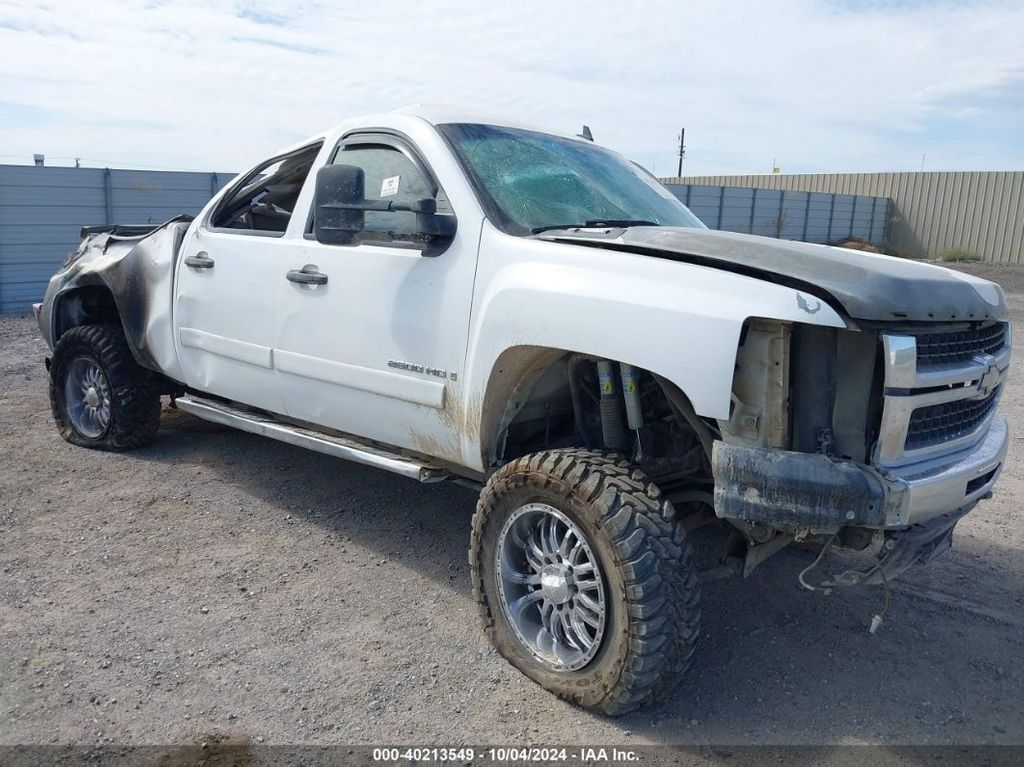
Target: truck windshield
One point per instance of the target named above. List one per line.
(529, 182)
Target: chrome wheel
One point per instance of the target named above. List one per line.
(87, 397)
(551, 586)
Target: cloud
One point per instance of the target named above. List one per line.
(817, 86)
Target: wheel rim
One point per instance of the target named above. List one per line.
(87, 396)
(551, 587)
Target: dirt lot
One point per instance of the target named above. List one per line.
(222, 583)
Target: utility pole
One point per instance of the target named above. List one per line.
(682, 150)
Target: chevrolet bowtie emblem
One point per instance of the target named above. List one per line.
(989, 381)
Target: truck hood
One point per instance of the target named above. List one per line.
(867, 286)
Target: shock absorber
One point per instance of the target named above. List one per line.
(613, 427)
(631, 396)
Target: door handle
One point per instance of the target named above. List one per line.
(199, 261)
(307, 275)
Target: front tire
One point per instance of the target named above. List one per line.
(584, 579)
(100, 397)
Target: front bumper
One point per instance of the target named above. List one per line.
(803, 492)
(941, 485)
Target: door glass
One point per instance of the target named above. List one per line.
(391, 176)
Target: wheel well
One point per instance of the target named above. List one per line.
(95, 305)
(88, 305)
(541, 399)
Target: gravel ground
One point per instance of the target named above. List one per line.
(221, 584)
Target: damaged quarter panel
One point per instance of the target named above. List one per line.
(681, 321)
(138, 271)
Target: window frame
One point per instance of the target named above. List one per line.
(247, 178)
(400, 142)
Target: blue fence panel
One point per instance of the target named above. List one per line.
(806, 216)
(705, 202)
(793, 212)
(42, 211)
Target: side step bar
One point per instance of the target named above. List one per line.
(339, 447)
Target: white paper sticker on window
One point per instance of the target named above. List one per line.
(389, 186)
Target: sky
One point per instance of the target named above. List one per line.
(809, 85)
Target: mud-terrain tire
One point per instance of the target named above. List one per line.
(651, 601)
(118, 405)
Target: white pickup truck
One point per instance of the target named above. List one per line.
(450, 297)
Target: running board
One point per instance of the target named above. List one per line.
(339, 447)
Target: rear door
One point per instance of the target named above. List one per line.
(378, 349)
(228, 272)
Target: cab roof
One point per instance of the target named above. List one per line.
(439, 114)
(433, 114)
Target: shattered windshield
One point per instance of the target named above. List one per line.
(530, 182)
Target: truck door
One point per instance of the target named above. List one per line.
(378, 348)
(226, 280)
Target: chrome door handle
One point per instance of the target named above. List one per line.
(307, 275)
(199, 261)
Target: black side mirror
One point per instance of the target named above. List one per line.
(337, 217)
(434, 230)
(340, 207)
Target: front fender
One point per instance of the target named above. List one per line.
(681, 321)
(138, 272)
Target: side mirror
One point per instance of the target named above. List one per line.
(433, 230)
(337, 216)
(340, 208)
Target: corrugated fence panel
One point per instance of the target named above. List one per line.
(43, 209)
(786, 214)
(931, 212)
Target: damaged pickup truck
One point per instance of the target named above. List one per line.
(455, 298)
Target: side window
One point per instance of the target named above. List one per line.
(390, 176)
(265, 200)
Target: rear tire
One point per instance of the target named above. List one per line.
(100, 397)
(647, 624)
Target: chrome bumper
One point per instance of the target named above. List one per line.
(930, 489)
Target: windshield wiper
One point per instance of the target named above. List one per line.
(592, 222)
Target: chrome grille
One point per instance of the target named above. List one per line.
(947, 421)
(951, 347)
(941, 390)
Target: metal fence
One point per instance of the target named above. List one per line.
(980, 212)
(806, 216)
(42, 210)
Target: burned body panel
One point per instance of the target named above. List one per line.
(796, 491)
(867, 286)
(136, 270)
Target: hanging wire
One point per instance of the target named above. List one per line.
(849, 577)
(825, 584)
